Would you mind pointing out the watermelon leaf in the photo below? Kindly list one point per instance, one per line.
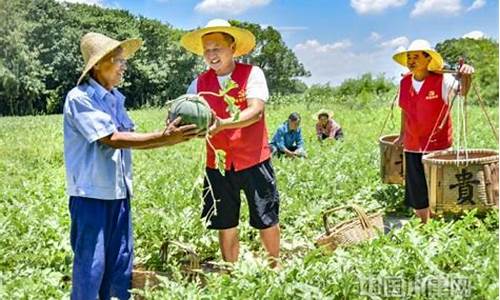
(232, 108)
(220, 161)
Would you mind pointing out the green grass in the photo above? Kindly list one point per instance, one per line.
(35, 256)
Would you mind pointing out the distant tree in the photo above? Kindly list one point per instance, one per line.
(278, 62)
(162, 69)
(54, 36)
(21, 74)
(483, 55)
(40, 58)
(366, 83)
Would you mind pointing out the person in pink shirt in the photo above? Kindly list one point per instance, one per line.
(326, 127)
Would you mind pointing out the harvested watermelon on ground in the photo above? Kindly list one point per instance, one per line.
(192, 109)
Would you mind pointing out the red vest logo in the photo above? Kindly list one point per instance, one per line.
(431, 95)
(241, 97)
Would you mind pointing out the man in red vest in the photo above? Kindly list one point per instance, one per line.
(244, 140)
(424, 97)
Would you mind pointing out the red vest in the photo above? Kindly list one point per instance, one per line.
(244, 147)
(424, 113)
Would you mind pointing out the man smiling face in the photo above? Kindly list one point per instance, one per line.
(218, 51)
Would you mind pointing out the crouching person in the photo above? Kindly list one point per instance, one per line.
(288, 138)
(326, 127)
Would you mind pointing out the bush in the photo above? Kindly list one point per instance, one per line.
(483, 55)
(366, 90)
(40, 58)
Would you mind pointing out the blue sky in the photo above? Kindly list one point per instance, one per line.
(335, 39)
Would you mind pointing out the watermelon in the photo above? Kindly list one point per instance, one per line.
(192, 109)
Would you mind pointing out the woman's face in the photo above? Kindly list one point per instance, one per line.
(417, 61)
(323, 120)
(109, 71)
(218, 53)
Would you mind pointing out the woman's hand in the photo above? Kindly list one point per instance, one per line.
(174, 134)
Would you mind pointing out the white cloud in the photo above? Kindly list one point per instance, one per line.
(89, 2)
(335, 62)
(115, 5)
(374, 6)
(374, 36)
(476, 34)
(230, 7)
(285, 31)
(291, 28)
(436, 7)
(316, 47)
(476, 5)
(401, 41)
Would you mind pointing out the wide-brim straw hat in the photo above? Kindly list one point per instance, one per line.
(436, 63)
(323, 111)
(94, 46)
(244, 39)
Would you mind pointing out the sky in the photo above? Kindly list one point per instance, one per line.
(335, 39)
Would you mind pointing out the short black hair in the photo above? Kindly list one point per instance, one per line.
(294, 117)
(323, 114)
(227, 37)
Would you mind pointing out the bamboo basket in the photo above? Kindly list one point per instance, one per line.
(142, 279)
(350, 232)
(392, 167)
(457, 182)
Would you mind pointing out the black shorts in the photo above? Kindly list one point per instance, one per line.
(415, 184)
(259, 185)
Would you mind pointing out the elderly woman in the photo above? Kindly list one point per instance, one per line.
(326, 127)
(98, 136)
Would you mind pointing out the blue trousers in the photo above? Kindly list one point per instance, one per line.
(102, 243)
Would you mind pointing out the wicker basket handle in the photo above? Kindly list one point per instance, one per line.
(363, 218)
(194, 259)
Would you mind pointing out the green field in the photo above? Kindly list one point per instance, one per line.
(35, 255)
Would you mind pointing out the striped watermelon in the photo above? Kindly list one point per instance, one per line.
(192, 109)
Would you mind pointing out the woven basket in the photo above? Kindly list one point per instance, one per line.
(392, 167)
(362, 228)
(459, 181)
(142, 279)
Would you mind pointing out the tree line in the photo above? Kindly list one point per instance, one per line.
(40, 58)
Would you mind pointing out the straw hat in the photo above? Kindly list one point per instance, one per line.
(323, 111)
(244, 39)
(436, 63)
(94, 46)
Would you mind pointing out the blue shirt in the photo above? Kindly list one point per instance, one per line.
(284, 137)
(93, 169)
